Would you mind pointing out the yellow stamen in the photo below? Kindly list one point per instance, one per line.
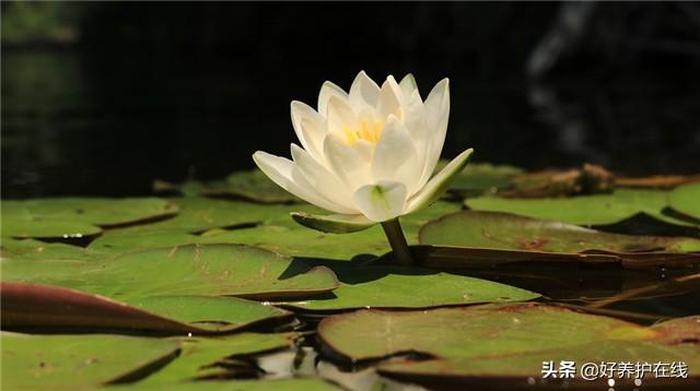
(370, 130)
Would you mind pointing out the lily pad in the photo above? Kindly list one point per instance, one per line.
(251, 185)
(512, 232)
(479, 178)
(506, 342)
(601, 209)
(77, 217)
(27, 306)
(79, 361)
(364, 286)
(686, 199)
(217, 269)
(198, 214)
(284, 236)
(199, 356)
(254, 186)
(30, 249)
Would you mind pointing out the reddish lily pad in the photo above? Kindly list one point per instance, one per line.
(30, 306)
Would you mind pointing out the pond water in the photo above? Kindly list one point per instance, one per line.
(75, 124)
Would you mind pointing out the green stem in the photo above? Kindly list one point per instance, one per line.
(392, 229)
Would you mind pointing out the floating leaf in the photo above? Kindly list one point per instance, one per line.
(254, 186)
(512, 232)
(132, 239)
(79, 361)
(198, 214)
(77, 217)
(602, 209)
(505, 342)
(27, 306)
(686, 199)
(216, 269)
(364, 286)
(287, 237)
(30, 249)
(199, 356)
(477, 178)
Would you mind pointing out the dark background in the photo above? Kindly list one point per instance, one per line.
(103, 98)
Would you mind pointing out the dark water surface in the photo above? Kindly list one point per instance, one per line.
(73, 125)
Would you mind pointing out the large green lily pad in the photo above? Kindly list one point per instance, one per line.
(513, 232)
(601, 209)
(218, 269)
(365, 286)
(78, 361)
(686, 199)
(506, 342)
(77, 217)
(284, 236)
(199, 356)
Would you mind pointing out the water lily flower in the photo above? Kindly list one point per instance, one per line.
(367, 155)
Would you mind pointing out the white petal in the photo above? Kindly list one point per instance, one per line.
(310, 128)
(437, 113)
(395, 156)
(363, 92)
(319, 178)
(439, 183)
(282, 171)
(351, 163)
(381, 201)
(311, 194)
(389, 100)
(341, 118)
(277, 168)
(328, 90)
(408, 85)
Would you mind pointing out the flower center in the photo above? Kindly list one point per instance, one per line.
(368, 129)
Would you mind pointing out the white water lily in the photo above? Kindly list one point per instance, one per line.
(368, 155)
